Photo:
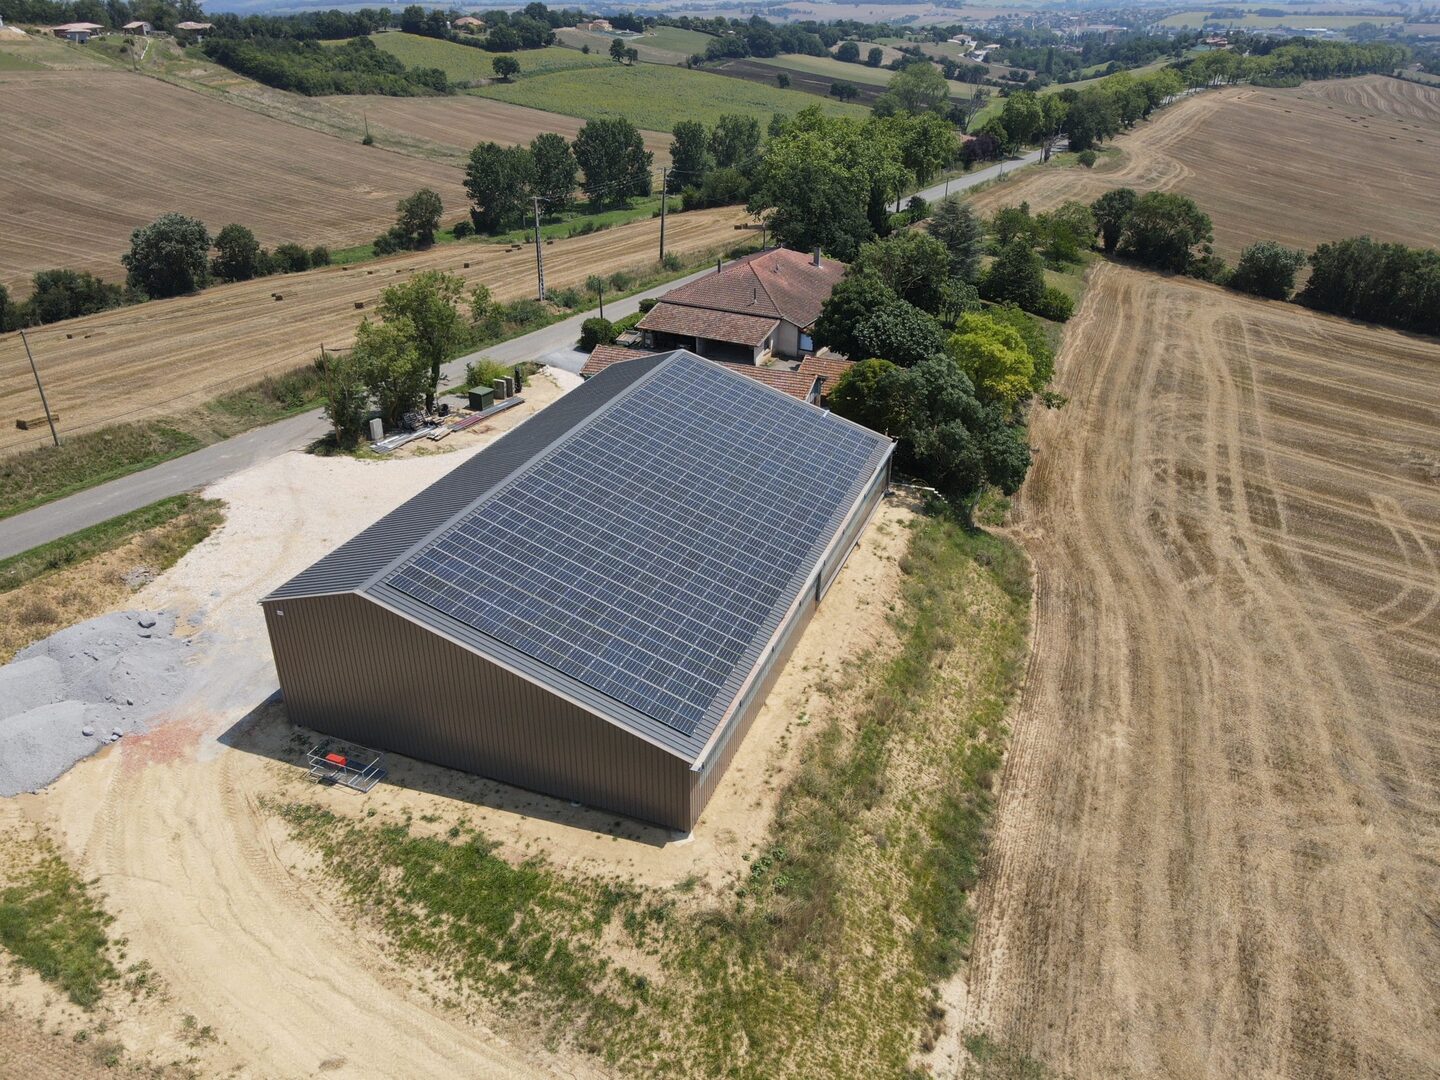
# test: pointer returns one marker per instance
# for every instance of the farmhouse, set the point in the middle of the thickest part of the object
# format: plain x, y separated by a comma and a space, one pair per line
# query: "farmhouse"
760, 306
599, 26
469, 23
79, 32
143, 29
596, 605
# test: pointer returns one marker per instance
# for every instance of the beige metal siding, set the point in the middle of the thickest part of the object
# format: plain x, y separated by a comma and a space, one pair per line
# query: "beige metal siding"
352, 669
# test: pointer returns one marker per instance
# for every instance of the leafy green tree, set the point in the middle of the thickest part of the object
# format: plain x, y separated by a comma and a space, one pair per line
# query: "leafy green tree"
391, 367
66, 294
1163, 230
1111, 211
290, 259
916, 89
1054, 110
856, 295
554, 170
845, 91
168, 257
914, 265
597, 331
899, 332
1022, 116
927, 143
1037, 342
613, 157
237, 254
956, 225
418, 218
1012, 223
734, 140
498, 180
1268, 269
689, 153
427, 305
948, 437
849, 52
1066, 231
617, 51
782, 80
875, 56
507, 67
994, 355
1016, 276
860, 393
1093, 117
1363, 278
342, 385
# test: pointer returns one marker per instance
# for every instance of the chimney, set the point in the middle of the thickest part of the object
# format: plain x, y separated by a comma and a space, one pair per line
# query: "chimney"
815, 259
754, 296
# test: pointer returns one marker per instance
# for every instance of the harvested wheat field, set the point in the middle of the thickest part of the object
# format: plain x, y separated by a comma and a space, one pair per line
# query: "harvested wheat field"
1286, 165
1216, 846
92, 155
161, 356
461, 121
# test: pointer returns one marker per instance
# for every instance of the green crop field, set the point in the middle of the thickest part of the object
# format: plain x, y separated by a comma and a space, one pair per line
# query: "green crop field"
674, 39
9, 61
655, 97
1299, 20
462, 63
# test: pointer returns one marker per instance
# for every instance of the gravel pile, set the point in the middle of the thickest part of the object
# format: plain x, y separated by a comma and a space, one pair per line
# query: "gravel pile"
63, 698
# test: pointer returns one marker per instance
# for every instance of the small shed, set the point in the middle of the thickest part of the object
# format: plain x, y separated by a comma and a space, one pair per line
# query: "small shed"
196, 28
138, 28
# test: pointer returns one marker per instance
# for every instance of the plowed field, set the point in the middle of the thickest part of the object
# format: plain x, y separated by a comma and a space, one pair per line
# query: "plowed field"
1322, 162
159, 357
1217, 852
89, 156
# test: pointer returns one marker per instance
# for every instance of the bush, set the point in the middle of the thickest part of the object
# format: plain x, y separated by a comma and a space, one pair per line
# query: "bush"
648, 303
462, 229
597, 331
483, 372
620, 281
1087, 158
671, 261
1267, 269
567, 298
320, 255
1055, 305
291, 259
629, 322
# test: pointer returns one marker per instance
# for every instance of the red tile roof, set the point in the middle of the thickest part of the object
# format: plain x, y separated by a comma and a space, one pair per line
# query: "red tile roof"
779, 283
797, 384
832, 367
726, 326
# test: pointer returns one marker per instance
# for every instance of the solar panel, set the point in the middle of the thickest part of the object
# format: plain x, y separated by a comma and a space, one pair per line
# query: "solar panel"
656, 546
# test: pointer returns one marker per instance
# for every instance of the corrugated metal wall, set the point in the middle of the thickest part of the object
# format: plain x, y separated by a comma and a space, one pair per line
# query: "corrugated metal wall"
352, 669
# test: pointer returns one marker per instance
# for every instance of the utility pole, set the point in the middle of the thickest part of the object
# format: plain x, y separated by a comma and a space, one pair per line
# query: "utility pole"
664, 198
39, 386
539, 256
602, 301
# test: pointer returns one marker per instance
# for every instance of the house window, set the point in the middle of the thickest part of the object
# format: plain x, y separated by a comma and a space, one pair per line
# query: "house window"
807, 343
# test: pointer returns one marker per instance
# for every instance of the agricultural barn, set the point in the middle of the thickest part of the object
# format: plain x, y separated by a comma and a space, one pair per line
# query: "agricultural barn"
596, 605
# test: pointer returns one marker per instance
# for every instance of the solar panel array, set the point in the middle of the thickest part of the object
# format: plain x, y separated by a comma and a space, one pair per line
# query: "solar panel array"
647, 554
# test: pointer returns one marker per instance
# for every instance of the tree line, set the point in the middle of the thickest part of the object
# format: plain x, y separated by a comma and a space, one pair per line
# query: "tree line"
161, 14
308, 67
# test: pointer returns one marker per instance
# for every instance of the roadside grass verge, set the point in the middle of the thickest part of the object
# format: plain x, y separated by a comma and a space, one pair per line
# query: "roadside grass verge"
85, 459
822, 959
51, 922
95, 570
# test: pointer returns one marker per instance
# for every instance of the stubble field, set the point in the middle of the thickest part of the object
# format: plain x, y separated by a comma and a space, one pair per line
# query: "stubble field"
1322, 162
166, 355
1216, 847
90, 156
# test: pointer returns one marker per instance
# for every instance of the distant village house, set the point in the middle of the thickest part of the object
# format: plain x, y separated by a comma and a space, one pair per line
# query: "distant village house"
599, 26
143, 29
78, 32
469, 23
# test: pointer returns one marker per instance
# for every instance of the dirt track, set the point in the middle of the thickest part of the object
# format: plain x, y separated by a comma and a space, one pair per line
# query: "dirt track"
1322, 162
162, 356
1217, 846
90, 156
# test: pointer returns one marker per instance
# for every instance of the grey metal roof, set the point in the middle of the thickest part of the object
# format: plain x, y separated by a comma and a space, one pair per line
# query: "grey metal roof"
635, 552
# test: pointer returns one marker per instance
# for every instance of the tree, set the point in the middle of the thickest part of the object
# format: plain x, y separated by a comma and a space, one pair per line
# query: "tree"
342, 385
1016, 276
898, 332
845, 91
734, 140
927, 143
782, 80
958, 227
860, 393
427, 303
948, 437
597, 331
1066, 231
617, 51
168, 257
237, 254
916, 89
1112, 211
7, 310
613, 157
1037, 342
418, 218
849, 52
498, 180
391, 367
554, 169
689, 153
1268, 269
856, 295
914, 265
994, 355
875, 56
1163, 231
1022, 117
290, 259
1054, 110
507, 67
632, 56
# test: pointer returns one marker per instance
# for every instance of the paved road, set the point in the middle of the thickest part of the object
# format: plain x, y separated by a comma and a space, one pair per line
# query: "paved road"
553, 344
